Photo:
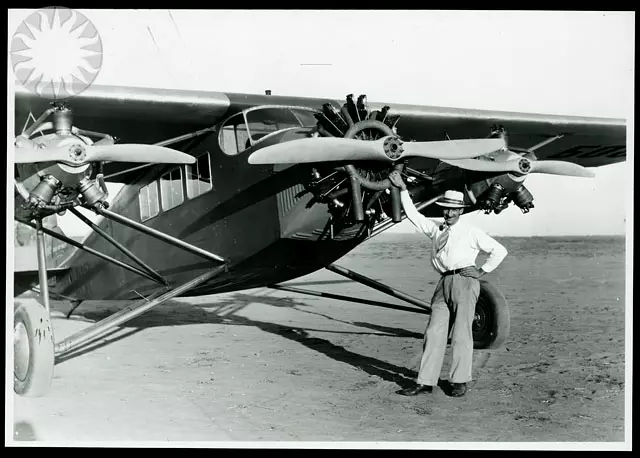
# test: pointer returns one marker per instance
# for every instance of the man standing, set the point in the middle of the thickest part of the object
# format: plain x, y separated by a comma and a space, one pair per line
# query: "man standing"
456, 245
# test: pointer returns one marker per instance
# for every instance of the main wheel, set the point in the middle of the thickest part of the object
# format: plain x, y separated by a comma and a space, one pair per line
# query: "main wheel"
33, 349
492, 319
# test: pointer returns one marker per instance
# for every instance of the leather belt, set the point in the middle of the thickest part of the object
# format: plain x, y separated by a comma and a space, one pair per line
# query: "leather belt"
453, 272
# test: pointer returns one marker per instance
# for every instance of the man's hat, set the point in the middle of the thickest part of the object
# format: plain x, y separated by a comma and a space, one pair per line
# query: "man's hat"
452, 199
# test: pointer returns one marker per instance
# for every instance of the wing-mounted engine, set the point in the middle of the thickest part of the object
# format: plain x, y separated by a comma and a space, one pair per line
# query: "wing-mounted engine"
58, 166
495, 180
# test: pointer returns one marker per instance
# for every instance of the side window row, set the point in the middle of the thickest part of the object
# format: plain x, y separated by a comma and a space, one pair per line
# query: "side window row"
167, 192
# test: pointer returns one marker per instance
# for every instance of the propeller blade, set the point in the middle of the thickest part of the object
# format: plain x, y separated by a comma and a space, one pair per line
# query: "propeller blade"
480, 165
105, 141
453, 149
78, 154
523, 166
561, 168
322, 149
390, 149
139, 153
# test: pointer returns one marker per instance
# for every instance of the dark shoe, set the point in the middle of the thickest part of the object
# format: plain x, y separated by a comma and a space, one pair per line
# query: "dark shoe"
415, 390
458, 389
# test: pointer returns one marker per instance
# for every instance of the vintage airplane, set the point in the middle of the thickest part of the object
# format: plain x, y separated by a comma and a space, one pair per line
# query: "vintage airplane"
227, 191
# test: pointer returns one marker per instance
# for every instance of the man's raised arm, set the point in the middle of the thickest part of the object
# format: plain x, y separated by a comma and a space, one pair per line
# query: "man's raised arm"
421, 222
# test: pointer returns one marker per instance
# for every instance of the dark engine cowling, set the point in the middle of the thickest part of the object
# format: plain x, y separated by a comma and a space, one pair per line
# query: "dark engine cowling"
495, 194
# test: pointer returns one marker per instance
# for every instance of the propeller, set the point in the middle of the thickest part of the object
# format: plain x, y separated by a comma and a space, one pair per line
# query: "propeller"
390, 149
523, 166
79, 153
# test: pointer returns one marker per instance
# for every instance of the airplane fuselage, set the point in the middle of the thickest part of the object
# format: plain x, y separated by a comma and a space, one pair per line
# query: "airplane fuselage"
252, 216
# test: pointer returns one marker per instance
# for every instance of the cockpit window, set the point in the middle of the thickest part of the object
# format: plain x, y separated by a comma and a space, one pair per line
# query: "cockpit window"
263, 122
305, 117
237, 135
233, 135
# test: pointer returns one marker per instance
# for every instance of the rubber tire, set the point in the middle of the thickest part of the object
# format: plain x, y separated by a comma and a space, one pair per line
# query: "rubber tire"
39, 332
494, 309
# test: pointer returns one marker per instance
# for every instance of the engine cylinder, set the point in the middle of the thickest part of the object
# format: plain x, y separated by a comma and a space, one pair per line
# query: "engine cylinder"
62, 121
523, 199
91, 193
44, 191
492, 197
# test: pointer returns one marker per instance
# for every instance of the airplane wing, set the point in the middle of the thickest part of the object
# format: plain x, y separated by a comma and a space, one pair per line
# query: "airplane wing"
589, 142
145, 115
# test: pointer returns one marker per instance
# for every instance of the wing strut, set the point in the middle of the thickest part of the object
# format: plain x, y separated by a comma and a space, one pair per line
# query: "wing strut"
340, 297
159, 235
158, 278
42, 265
94, 252
350, 274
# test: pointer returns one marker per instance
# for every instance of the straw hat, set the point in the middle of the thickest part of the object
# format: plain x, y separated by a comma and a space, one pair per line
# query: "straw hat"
452, 199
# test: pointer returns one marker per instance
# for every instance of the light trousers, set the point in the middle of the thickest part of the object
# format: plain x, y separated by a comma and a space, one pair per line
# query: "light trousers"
455, 296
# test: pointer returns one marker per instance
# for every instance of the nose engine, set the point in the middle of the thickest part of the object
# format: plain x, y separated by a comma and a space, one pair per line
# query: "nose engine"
362, 192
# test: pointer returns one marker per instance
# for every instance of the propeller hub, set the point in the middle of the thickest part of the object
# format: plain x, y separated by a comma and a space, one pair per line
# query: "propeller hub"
393, 147
77, 153
524, 165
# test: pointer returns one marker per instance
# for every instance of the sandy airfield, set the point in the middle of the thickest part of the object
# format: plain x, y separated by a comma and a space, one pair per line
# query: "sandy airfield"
255, 367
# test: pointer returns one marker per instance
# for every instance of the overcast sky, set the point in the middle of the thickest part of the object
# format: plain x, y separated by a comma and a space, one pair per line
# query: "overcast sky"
573, 63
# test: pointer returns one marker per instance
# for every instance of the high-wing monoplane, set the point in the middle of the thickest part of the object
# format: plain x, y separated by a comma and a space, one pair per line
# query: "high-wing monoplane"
227, 191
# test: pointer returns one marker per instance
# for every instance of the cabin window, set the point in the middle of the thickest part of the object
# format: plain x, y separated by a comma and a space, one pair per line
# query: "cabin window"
199, 176
149, 201
171, 189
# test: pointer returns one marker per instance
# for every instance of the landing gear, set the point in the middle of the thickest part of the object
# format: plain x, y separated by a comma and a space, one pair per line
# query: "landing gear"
490, 326
34, 346
33, 349
33, 343
492, 319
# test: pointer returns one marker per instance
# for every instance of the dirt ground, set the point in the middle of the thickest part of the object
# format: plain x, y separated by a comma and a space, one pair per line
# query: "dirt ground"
268, 367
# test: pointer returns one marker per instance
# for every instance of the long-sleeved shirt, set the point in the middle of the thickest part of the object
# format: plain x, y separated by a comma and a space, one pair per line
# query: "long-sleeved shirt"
464, 244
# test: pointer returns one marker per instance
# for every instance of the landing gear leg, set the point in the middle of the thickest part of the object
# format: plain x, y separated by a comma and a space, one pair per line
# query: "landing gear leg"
33, 340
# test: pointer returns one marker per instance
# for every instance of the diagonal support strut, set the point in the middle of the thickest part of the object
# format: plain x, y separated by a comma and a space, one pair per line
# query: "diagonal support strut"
350, 274
160, 235
119, 246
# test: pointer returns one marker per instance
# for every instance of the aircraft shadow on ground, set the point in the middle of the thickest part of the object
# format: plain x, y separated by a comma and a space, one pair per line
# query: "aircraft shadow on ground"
105, 340
225, 311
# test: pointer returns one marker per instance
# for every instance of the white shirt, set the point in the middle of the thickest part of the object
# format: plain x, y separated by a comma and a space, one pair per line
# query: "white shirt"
464, 244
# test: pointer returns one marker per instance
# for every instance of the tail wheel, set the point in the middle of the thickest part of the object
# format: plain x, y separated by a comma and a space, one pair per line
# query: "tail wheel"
492, 319
33, 349
355, 193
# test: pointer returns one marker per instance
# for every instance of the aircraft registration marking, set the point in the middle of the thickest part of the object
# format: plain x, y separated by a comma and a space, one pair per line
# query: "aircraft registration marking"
590, 151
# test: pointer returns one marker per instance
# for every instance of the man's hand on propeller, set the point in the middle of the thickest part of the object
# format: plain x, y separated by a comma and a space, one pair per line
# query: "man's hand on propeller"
396, 180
